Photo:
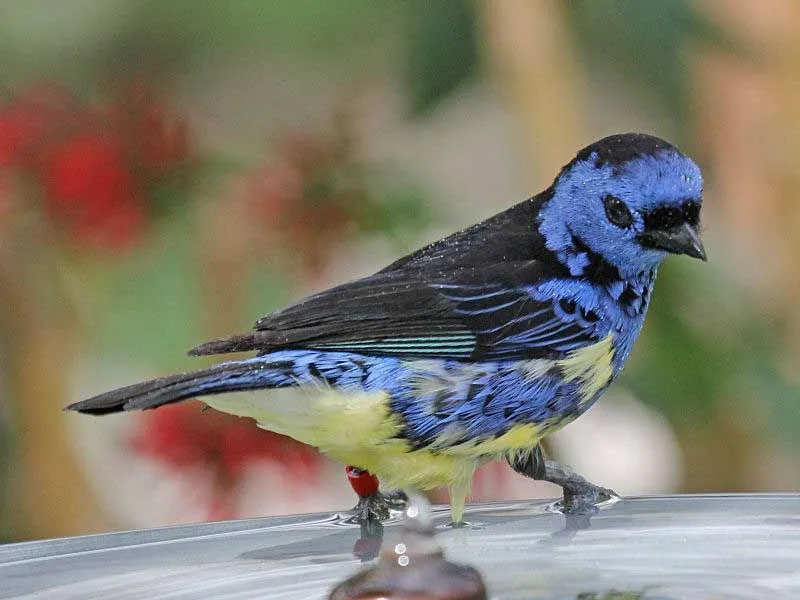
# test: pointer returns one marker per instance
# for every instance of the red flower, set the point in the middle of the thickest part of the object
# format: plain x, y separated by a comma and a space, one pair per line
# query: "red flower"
273, 192
162, 144
89, 185
36, 117
11, 137
100, 166
19, 126
158, 142
306, 195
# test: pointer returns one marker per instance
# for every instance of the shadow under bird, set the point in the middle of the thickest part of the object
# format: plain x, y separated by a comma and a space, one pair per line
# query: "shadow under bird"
472, 348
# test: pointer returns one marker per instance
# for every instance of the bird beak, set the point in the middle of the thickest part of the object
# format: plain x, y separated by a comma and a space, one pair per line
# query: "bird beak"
682, 239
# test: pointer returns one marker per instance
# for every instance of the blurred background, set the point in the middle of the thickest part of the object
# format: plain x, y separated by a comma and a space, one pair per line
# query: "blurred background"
170, 171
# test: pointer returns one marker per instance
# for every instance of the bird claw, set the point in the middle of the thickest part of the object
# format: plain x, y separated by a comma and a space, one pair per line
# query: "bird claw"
581, 496
396, 499
378, 507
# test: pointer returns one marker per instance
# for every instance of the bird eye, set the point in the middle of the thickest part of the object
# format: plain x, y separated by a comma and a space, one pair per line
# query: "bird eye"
617, 212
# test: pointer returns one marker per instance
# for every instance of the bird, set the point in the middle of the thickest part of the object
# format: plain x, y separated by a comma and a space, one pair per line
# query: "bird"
472, 348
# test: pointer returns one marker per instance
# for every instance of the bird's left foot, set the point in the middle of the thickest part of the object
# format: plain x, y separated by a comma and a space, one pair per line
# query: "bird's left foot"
373, 506
580, 495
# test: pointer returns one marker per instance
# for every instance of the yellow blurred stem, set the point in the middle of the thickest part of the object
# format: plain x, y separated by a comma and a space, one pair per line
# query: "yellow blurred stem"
225, 249
533, 59
49, 495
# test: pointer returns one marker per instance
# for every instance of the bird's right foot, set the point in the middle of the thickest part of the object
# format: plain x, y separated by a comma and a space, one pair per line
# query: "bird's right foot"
373, 506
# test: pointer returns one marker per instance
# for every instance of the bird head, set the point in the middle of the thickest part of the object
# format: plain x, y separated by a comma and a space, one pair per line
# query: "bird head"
632, 199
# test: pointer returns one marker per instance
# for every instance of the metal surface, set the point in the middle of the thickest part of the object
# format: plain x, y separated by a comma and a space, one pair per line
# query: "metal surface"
693, 547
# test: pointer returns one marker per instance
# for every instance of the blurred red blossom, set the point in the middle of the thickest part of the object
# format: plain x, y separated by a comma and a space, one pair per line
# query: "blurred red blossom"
185, 436
304, 195
315, 191
158, 143
98, 166
89, 187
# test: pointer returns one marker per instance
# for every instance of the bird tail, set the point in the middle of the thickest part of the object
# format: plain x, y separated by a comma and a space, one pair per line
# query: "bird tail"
251, 374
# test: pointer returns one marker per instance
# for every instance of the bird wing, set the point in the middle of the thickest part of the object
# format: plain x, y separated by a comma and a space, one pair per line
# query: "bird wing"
483, 312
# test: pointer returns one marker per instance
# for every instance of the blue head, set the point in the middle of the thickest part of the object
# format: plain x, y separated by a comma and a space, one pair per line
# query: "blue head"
631, 199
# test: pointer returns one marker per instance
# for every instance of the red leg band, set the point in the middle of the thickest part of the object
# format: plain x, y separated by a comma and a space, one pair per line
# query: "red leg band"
364, 483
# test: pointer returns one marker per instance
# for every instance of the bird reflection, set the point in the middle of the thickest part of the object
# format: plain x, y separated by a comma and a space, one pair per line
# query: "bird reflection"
368, 544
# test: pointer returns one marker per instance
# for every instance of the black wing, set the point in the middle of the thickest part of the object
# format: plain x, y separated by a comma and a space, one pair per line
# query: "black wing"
401, 316
463, 297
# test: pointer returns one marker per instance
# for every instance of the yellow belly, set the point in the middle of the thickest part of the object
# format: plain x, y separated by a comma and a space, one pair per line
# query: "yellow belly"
359, 430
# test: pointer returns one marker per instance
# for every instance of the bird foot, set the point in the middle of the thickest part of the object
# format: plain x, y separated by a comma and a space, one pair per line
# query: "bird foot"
581, 496
378, 507
396, 499
373, 506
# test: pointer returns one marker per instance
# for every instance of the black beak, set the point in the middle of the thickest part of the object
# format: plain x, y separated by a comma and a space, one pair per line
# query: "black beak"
682, 239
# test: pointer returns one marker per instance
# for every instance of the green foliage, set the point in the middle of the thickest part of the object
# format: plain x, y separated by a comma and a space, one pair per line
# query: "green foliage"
646, 42
442, 50
700, 350
147, 304
301, 26
775, 395
113, 36
398, 209
678, 368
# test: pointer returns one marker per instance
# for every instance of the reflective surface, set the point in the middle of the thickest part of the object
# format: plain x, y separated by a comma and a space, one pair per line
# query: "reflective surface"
699, 547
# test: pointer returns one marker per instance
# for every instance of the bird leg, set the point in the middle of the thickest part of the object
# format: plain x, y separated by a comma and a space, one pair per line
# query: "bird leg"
373, 506
580, 495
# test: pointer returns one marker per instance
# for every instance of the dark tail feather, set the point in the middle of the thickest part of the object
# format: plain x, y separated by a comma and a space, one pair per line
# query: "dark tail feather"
257, 340
226, 377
